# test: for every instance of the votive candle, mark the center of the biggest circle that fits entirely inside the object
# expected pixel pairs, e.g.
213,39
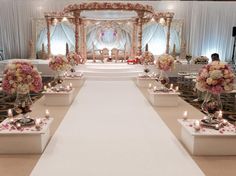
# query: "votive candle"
154,88
37,123
197,125
150,86
9,113
185,115
47,113
18,125
220,115
177,88
70,85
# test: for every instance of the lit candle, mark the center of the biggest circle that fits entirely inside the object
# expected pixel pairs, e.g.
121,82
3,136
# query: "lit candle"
150,86
217,126
197,125
176,88
185,115
205,118
220,115
225,122
9,113
65,74
18,125
47,113
171,86
70,85
68,88
154,88
11,120
45,88
37,123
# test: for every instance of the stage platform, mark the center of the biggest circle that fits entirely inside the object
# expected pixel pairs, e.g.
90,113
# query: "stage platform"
110,70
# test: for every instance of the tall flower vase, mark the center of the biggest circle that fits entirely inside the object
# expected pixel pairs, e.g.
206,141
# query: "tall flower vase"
163,78
58,78
72,71
22,105
146,70
211,104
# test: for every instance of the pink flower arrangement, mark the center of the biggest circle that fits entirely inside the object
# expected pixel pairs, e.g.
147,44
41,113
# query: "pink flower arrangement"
59,63
74,58
21,76
216,77
147,58
165,62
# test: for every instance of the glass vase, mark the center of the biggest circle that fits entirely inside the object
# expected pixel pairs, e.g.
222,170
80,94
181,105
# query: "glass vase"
72,71
210,106
58,78
163,78
22,105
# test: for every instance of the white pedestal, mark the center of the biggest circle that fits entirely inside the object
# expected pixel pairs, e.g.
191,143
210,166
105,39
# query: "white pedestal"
26,141
144,82
208,141
76,81
59,98
169,99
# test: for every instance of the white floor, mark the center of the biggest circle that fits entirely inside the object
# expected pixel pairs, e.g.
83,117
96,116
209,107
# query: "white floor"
112,130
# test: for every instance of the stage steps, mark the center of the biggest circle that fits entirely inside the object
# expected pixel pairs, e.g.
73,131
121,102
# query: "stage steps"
110,70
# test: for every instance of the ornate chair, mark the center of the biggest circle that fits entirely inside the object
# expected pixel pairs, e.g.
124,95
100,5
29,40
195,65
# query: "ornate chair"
105,54
114,54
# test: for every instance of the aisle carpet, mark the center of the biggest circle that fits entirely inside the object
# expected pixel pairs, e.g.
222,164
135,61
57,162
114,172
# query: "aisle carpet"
112,130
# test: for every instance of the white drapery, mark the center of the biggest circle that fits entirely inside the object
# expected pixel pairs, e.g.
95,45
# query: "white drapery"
155,36
207,29
60,35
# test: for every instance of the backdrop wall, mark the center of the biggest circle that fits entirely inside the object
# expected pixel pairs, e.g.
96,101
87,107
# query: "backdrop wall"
207,28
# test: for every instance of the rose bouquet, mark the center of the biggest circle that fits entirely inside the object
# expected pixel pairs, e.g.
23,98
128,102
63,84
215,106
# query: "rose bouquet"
59,63
147,58
21,76
74,58
216,78
165,62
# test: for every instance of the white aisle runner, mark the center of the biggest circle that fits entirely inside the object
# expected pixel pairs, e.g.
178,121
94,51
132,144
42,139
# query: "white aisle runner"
112,130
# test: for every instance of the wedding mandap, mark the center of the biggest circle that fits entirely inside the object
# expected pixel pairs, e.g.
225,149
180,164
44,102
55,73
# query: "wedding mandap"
106,30
117,88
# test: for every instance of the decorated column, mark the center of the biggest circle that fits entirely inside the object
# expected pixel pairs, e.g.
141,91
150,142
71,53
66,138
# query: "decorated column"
77,20
134,39
83,48
169,17
140,32
85,42
48,21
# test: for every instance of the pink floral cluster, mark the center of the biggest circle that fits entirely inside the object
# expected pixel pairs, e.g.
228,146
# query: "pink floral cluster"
147,58
216,77
74,58
59,63
21,76
165,62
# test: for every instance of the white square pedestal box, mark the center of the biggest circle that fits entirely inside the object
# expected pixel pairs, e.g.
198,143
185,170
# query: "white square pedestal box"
59,98
144,82
29,141
163,99
76,81
208,141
